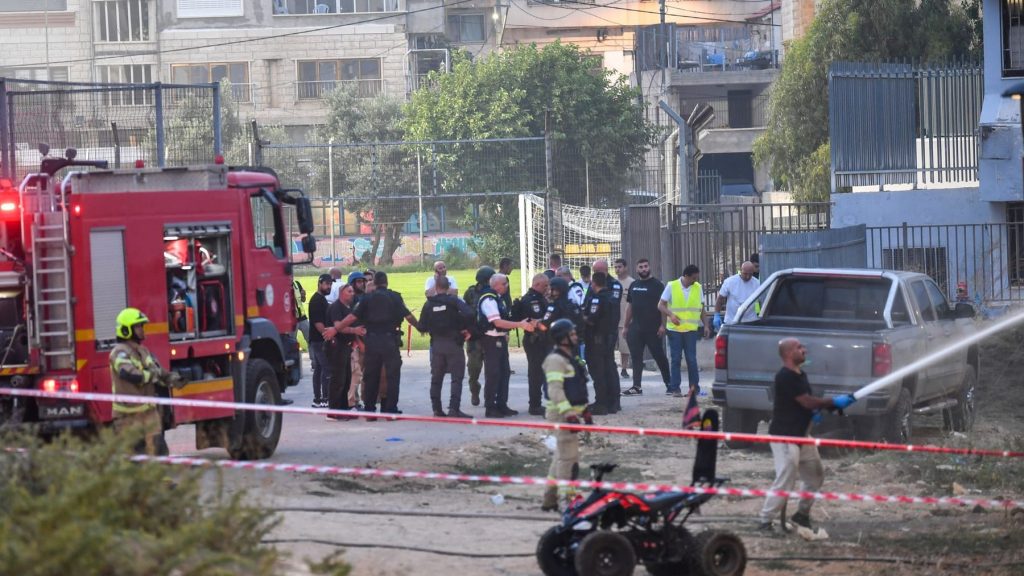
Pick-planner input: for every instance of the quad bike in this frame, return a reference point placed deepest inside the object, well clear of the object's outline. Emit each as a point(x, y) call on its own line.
point(606, 533)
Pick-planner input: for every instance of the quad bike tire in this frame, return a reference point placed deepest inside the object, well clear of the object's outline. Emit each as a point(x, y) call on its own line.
point(604, 553)
point(553, 554)
point(718, 553)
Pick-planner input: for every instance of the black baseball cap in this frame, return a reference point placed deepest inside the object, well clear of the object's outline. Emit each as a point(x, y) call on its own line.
point(325, 278)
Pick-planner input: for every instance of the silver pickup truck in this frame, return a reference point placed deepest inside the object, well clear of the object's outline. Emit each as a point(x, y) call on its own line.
point(857, 325)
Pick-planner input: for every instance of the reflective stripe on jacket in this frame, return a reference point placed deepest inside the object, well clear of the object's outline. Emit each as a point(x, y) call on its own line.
point(131, 361)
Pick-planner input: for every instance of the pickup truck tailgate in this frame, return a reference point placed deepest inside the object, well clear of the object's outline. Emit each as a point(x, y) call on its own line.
point(836, 361)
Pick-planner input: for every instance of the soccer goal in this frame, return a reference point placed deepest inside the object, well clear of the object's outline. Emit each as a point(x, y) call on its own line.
point(580, 234)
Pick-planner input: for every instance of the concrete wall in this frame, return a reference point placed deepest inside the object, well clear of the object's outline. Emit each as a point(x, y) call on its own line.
point(916, 207)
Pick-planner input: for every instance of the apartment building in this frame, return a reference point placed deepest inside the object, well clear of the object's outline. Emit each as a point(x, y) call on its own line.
point(281, 56)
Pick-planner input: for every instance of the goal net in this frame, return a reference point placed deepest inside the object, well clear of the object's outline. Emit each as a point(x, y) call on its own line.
point(580, 234)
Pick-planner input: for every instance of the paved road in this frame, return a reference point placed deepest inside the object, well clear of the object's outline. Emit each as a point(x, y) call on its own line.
point(315, 440)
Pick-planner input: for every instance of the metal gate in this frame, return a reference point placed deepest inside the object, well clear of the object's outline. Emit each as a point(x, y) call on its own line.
point(837, 248)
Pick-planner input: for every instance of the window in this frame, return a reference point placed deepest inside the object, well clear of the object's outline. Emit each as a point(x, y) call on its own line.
point(285, 7)
point(57, 74)
point(235, 72)
point(121, 20)
point(127, 74)
point(33, 6)
point(1012, 22)
point(468, 28)
point(939, 302)
point(923, 303)
point(209, 8)
point(830, 298)
point(930, 261)
point(318, 77)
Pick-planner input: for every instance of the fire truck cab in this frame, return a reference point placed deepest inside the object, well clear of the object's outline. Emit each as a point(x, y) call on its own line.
point(204, 252)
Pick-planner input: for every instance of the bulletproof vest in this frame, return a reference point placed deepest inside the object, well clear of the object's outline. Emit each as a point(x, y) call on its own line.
point(381, 312)
point(576, 385)
point(481, 321)
point(445, 319)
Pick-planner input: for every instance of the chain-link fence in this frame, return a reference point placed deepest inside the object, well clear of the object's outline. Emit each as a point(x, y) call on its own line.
point(160, 124)
point(408, 203)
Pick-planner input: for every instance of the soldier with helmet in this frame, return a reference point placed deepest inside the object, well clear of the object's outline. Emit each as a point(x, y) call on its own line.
point(566, 375)
point(135, 372)
point(474, 350)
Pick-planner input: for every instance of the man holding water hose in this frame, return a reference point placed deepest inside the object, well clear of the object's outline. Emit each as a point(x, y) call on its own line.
point(794, 410)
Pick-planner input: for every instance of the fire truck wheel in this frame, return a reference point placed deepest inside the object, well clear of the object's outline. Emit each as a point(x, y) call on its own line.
point(261, 430)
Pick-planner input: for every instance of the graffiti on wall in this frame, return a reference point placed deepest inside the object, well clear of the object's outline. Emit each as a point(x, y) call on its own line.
point(352, 250)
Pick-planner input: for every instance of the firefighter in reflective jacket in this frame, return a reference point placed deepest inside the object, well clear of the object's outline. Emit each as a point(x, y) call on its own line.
point(566, 375)
point(135, 372)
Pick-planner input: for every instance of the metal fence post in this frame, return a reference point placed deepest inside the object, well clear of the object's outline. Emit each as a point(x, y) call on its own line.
point(158, 100)
point(330, 192)
point(549, 178)
point(256, 146)
point(217, 148)
point(117, 144)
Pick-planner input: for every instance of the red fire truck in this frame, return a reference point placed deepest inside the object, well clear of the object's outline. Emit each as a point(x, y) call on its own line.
point(203, 251)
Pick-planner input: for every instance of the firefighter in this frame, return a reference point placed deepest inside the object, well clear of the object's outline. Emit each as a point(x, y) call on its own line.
point(135, 372)
point(446, 317)
point(532, 306)
point(567, 390)
point(474, 348)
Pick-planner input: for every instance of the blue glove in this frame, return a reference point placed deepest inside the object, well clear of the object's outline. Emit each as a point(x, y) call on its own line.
point(817, 417)
point(717, 321)
point(843, 402)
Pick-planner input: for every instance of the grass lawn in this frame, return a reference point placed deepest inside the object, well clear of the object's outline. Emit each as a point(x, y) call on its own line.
point(410, 286)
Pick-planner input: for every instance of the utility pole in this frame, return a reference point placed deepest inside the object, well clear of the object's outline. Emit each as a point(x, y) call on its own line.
point(663, 30)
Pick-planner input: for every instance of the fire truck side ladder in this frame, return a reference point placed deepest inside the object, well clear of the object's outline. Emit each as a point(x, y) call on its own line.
point(51, 282)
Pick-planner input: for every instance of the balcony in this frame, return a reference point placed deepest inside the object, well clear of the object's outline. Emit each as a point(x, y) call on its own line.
point(313, 90)
point(744, 48)
point(305, 7)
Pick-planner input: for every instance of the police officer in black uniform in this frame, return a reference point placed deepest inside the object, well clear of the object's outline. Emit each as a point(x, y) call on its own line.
point(597, 315)
point(381, 312)
point(446, 318)
point(533, 306)
point(560, 305)
point(494, 319)
point(474, 349)
point(615, 294)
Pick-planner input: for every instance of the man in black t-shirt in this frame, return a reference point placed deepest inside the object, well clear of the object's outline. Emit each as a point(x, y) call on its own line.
point(795, 407)
point(644, 325)
point(320, 330)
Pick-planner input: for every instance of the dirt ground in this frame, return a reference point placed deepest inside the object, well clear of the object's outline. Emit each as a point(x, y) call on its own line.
point(406, 527)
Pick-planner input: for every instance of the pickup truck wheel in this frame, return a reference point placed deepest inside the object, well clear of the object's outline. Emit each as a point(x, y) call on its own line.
point(740, 421)
point(898, 426)
point(960, 418)
point(261, 430)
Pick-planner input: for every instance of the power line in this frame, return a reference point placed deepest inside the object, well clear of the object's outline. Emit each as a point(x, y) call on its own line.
point(668, 13)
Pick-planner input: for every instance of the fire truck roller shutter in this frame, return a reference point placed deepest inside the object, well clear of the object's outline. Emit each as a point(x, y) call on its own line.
point(109, 280)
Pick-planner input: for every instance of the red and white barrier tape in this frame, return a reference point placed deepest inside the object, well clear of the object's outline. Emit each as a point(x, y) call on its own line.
point(618, 486)
point(660, 432)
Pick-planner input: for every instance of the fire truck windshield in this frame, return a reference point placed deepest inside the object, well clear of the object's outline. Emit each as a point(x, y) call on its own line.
point(268, 223)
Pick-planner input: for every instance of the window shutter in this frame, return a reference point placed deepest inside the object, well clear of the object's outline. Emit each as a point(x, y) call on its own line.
point(209, 8)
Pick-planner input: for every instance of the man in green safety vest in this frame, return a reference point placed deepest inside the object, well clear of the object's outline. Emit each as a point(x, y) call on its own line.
point(135, 372)
point(683, 306)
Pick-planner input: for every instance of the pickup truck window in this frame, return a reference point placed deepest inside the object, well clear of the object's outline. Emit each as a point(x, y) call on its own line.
point(830, 298)
point(939, 301)
point(900, 316)
point(924, 304)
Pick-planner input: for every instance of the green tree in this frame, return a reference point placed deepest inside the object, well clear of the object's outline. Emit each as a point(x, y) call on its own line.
point(375, 176)
point(591, 113)
point(796, 142)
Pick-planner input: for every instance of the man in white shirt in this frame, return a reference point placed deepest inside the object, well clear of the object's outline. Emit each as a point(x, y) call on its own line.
point(336, 285)
point(735, 291)
point(622, 273)
point(440, 271)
